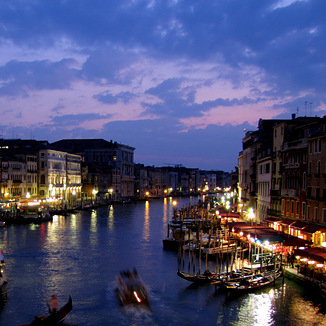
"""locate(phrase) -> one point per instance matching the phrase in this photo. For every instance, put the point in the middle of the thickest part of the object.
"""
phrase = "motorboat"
(131, 289)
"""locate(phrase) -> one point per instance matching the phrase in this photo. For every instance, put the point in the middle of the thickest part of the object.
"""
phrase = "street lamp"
(228, 206)
(73, 197)
(174, 203)
(93, 194)
(251, 215)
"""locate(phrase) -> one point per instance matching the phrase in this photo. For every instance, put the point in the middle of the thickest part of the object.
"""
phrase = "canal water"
(83, 253)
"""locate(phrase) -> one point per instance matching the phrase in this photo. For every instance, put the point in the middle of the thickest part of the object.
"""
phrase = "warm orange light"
(137, 297)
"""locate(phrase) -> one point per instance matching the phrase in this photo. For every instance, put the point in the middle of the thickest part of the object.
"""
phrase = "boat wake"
(135, 315)
(139, 316)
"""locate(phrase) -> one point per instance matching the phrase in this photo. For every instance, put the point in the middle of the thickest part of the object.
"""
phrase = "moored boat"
(199, 279)
(253, 282)
(3, 279)
(131, 289)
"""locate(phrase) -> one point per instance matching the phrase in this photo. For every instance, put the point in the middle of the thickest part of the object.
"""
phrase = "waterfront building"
(19, 175)
(281, 174)
(112, 154)
(60, 176)
(13, 178)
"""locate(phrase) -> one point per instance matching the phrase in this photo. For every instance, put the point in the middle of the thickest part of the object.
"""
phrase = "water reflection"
(111, 218)
(81, 254)
(146, 222)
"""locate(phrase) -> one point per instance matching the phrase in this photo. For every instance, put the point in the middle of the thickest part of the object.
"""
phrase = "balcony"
(291, 165)
(300, 143)
(290, 192)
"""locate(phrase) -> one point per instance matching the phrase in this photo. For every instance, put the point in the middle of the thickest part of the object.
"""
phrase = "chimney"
(293, 116)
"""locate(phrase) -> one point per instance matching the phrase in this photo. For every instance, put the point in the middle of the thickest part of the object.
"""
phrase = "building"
(281, 171)
(109, 154)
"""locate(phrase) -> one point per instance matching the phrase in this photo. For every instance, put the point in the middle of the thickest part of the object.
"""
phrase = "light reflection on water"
(146, 230)
(82, 254)
(111, 218)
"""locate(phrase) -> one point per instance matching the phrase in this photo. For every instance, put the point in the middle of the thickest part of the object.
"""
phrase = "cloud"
(19, 77)
(108, 98)
(172, 67)
(71, 119)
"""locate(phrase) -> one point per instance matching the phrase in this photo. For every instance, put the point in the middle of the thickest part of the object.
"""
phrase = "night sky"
(179, 80)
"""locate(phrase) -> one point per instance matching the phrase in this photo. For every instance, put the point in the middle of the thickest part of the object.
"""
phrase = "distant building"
(60, 176)
(108, 154)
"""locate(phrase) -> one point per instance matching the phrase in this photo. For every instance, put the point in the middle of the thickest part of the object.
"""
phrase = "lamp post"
(227, 205)
(174, 203)
(93, 194)
(251, 215)
(73, 197)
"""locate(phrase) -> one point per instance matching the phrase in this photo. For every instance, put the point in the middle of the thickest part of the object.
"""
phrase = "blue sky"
(179, 80)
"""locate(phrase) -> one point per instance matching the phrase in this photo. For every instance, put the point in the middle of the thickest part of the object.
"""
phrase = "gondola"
(131, 290)
(199, 279)
(55, 318)
(254, 282)
(212, 278)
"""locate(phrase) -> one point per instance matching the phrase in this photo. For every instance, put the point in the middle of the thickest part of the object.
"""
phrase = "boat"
(214, 278)
(199, 279)
(3, 279)
(55, 318)
(253, 282)
(177, 235)
(33, 212)
(131, 289)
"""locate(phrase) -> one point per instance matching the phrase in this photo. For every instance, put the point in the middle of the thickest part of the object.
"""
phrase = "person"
(288, 259)
(54, 303)
(292, 259)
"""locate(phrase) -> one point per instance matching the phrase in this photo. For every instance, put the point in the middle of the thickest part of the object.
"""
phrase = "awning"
(230, 215)
(291, 241)
(312, 228)
(272, 220)
(287, 221)
(317, 254)
(299, 225)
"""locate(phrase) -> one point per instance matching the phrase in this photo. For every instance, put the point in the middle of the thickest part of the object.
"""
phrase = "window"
(308, 212)
(42, 181)
(324, 215)
(316, 214)
(297, 212)
(309, 192)
(303, 210)
(287, 206)
(267, 168)
(318, 168)
(317, 193)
